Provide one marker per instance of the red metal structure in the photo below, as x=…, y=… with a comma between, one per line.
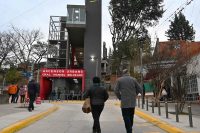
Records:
x=46, y=74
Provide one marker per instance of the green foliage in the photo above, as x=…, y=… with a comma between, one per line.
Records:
x=180, y=29
x=130, y=18
x=131, y=48
x=130, y=51
x=136, y=75
x=13, y=76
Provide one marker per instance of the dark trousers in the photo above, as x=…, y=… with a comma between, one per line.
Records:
x=12, y=98
x=16, y=98
x=96, y=112
x=22, y=97
x=32, y=99
x=128, y=115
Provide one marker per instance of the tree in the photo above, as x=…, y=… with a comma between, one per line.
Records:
x=5, y=48
x=13, y=76
x=131, y=17
x=180, y=29
x=128, y=53
x=27, y=46
x=163, y=69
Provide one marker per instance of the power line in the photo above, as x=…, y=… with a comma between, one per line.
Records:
x=177, y=11
x=26, y=11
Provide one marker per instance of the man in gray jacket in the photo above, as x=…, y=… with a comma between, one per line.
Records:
x=126, y=90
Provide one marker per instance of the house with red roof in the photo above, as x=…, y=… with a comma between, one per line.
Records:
x=186, y=52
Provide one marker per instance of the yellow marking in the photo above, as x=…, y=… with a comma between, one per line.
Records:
x=68, y=102
x=24, y=123
x=151, y=132
x=163, y=125
x=93, y=1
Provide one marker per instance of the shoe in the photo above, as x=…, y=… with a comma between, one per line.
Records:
x=94, y=131
x=29, y=109
x=98, y=131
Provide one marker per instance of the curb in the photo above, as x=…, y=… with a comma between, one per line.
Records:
x=24, y=123
x=68, y=101
x=163, y=125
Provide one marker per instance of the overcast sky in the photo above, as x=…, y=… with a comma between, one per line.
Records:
x=31, y=14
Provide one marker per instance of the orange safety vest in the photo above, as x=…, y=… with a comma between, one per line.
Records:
x=12, y=89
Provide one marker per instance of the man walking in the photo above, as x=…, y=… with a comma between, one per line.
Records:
x=32, y=91
x=126, y=90
x=98, y=96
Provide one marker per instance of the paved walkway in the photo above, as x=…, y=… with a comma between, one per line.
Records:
x=13, y=113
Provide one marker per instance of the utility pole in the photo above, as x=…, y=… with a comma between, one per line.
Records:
x=38, y=75
x=141, y=66
x=141, y=71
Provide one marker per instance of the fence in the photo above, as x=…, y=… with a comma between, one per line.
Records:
x=192, y=98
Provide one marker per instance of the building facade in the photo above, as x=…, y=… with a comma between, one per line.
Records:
x=192, y=80
x=74, y=51
x=179, y=52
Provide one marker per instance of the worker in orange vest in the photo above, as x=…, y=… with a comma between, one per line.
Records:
x=12, y=90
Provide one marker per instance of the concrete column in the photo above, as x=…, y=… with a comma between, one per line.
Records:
x=92, y=40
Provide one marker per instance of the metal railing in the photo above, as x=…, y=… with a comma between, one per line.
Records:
x=192, y=98
x=165, y=105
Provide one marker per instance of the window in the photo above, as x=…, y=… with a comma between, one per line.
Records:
x=190, y=84
x=193, y=84
x=185, y=84
x=177, y=46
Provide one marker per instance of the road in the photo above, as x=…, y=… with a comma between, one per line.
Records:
x=70, y=119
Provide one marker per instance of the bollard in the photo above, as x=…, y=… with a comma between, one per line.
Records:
x=176, y=110
x=142, y=103
x=190, y=115
x=166, y=109
x=147, y=104
x=42, y=100
x=159, y=109
x=139, y=102
x=152, y=106
x=143, y=99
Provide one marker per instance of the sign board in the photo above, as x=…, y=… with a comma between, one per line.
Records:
x=65, y=73
x=27, y=74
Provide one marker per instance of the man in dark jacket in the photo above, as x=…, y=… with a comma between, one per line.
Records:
x=98, y=95
x=32, y=91
x=126, y=90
